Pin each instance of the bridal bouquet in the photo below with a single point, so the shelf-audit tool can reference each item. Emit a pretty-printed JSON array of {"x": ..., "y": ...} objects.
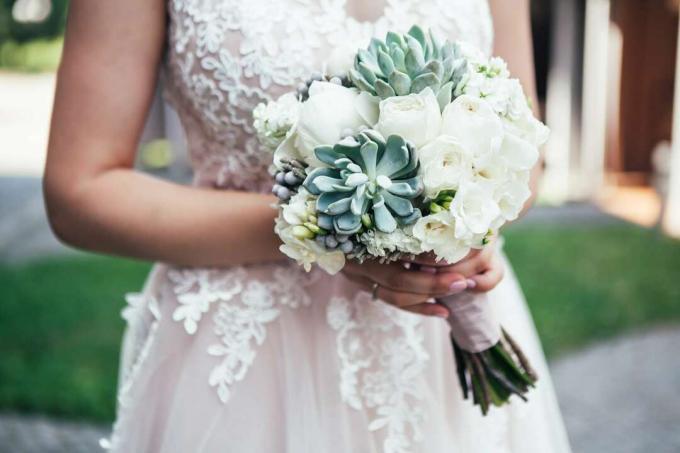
[{"x": 421, "y": 146}]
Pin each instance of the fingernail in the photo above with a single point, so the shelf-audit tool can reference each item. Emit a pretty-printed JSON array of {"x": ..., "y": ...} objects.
[
  {"x": 428, "y": 269},
  {"x": 471, "y": 283},
  {"x": 458, "y": 285},
  {"x": 441, "y": 314},
  {"x": 407, "y": 265}
]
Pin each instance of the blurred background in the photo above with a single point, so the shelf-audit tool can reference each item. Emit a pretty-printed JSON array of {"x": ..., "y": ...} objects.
[{"x": 598, "y": 257}]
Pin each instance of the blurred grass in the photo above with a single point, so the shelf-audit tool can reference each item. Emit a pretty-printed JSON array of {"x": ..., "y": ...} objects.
[
  {"x": 60, "y": 327},
  {"x": 38, "y": 55}
]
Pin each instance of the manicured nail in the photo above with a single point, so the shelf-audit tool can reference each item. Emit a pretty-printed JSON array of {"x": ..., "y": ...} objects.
[
  {"x": 471, "y": 283},
  {"x": 458, "y": 285},
  {"x": 441, "y": 314},
  {"x": 406, "y": 265},
  {"x": 428, "y": 269}
]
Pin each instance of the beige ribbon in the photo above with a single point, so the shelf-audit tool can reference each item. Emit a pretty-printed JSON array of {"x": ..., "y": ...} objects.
[{"x": 474, "y": 326}]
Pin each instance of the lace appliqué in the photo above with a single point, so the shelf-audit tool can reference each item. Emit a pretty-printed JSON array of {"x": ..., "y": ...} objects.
[
  {"x": 382, "y": 359},
  {"x": 246, "y": 306}
]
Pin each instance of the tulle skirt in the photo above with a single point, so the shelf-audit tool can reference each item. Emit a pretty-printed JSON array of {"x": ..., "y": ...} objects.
[{"x": 270, "y": 359}]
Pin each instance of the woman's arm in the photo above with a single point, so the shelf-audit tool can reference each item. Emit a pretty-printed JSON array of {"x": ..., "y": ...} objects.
[
  {"x": 95, "y": 200},
  {"x": 513, "y": 42}
]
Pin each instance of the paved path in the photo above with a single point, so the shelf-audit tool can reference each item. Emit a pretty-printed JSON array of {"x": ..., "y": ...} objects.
[{"x": 616, "y": 397}]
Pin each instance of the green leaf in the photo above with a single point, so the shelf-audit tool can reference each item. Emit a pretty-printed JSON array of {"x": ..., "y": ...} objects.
[
  {"x": 384, "y": 220},
  {"x": 400, "y": 206},
  {"x": 383, "y": 89},
  {"x": 385, "y": 62},
  {"x": 347, "y": 223},
  {"x": 395, "y": 158},
  {"x": 445, "y": 95}
]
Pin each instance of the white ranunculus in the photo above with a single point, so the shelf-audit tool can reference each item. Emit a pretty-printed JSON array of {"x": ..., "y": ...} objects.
[
  {"x": 528, "y": 128},
  {"x": 274, "y": 121},
  {"x": 474, "y": 124},
  {"x": 517, "y": 154},
  {"x": 511, "y": 197},
  {"x": 444, "y": 164},
  {"x": 436, "y": 233},
  {"x": 329, "y": 111},
  {"x": 415, "y": 117},
  {"x": 474, "y": 209}
]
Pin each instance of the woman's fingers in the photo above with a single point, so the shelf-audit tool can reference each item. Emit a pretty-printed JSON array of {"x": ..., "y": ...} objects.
[
  {"x": 414, "y": 303},
  {"x": 490, "y": 278},
  {"x": 429, "y": 309},
  {"x": 395, "y": 277}
]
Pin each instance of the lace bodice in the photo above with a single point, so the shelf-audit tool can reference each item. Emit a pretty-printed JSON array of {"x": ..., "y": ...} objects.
[{"x": 226, "y": 56}]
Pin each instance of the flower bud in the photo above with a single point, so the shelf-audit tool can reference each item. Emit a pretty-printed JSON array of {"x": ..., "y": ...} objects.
[{"x": 302, "y": 232}]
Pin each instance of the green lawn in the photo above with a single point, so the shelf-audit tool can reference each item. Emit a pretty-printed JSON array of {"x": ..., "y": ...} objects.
[
  {"x": 39, "y": 55},
  {"x": 60, "y": 326}
]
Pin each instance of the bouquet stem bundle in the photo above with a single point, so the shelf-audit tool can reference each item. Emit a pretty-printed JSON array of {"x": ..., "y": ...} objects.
[{"x": 495, "y": 374}]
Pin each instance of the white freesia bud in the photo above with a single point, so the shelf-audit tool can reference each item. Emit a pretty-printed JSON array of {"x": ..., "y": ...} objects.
[
  {"x": 298, "y": 242},
  {"x": 436, "y": 233},
  {"x": 474, "y": 124},
  {"x": 415, "y": 117},
  {"x": 444, "y": 164},
  {"x": 474, "y": 209},
  {"x": 330, "y": 110}
]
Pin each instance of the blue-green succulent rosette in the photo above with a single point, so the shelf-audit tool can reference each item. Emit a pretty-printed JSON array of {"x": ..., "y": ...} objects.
[{"x": 421, "y": 145}]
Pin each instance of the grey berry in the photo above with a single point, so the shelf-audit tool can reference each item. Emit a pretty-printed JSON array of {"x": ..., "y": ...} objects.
[
  {"x": 347, "y": 247},
  {"x": 280, "y": 177},
  {"x": 321, "y": 240},
  {"x": 290, "y": 178},
  {"x": 331, "y": 242},
  {"x": 283, "y": 193},
  {"x": 336, "y": 80},
  {"x": 342, "y": 238}
]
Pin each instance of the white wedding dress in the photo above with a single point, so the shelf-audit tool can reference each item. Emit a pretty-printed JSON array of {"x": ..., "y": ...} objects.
[{"x": 267, "y": 358}]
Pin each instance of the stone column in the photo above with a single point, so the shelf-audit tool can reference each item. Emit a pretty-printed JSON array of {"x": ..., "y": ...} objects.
[{"x": 595, "y": 89}]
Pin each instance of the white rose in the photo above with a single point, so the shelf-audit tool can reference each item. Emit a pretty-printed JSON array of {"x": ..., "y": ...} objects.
[
  {"x": 474, "y": 209},
  {"x": 444, "y": 164},
  {"x": 415, "y": 117},
  {"x": 436, "y": 233},
  {"x": 330, "y": 110},
  {"x": 474, "y": 123}
]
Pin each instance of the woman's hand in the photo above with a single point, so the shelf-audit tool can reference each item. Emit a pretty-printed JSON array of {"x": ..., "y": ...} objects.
[
  {"x": 410, "y": 289},
  {"x": 483, "y": 268}
]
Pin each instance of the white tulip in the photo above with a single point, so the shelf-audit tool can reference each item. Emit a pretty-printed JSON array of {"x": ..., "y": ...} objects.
[
  {"x": 474, "y": 124},
  {"x": 415, "y": 117},
  {"x": 329, "y": 111},
  {"x": 436, "y": 233},
  {"x": 444, "y": 164}
]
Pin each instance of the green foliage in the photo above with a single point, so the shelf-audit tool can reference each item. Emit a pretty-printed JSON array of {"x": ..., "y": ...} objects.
[
  {"x": 585, "y": 283},
  {"x": 34, "y": 56},
  {"x": 60, "y": 332}
]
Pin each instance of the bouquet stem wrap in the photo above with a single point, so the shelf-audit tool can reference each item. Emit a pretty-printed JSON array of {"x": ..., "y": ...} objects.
[
  {"x": 489, "y": 363},
  {"x": 473, "y": 323}
]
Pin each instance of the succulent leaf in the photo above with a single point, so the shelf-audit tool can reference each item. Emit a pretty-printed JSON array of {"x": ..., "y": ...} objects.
[
  {"x": 407, "y": 64},
  {"x": 374, "y": 180}
]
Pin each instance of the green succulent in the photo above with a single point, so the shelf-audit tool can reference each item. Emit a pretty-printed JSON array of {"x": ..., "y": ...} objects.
[
  {"x": 404, "y": 64},
  {"x": 369, "y": 182}
]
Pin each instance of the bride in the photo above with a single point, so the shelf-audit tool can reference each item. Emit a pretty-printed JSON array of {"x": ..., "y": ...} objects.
[{"x": 230, "y": 347}]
